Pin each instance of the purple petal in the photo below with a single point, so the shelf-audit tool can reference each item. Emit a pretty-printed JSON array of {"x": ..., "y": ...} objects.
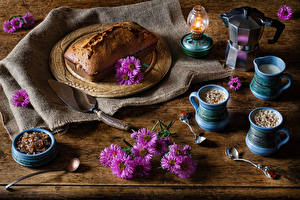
[
  {"x": 28, "y": 20},
  {"x": 8, "y": 27},
  {"x": 285, "y": 12},
  {"x": 20, "y": 98},
  {"x": 17, "y": 22}
]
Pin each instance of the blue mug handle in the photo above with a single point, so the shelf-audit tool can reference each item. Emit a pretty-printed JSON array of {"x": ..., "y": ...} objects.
[
  {"x": 285, "y": 140},
  {"x": 286, "y": 86},
  {"x": 192, "y": 97}
]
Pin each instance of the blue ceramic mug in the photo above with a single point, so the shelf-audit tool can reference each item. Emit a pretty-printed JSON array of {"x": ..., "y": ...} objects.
[
  {"x": 267, "y": 81},
  {"x": 210, "y": 117},
  {"x": 265, "y": 141}
]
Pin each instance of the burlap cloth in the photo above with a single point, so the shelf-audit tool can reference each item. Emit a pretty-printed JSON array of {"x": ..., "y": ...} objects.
[{"x": 27, "y": 65}]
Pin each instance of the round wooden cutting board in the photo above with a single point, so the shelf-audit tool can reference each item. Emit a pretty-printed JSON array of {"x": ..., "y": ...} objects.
[{"x": 159, "y": 61}]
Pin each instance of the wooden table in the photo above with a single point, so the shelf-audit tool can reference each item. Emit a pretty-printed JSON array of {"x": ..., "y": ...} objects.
[{"x": 216, "y": 176}]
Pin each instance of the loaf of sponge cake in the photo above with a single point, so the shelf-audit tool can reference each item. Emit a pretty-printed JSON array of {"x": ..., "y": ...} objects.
[{"x": 93, "y": 58}]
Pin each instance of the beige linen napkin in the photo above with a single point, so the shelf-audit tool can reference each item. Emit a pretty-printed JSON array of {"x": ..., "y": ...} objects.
[{"x": 27, "y": 65}]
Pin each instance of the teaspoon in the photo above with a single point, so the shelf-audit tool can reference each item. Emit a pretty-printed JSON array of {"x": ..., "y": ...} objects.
[
  {"x": 198, "y": 139},
  {"x": 233, "y": 154},
  {"x": 71, "y": 167}
]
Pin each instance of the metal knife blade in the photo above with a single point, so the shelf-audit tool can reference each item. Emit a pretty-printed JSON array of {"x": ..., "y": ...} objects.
[
  {"x": 73, "y": 97},
  {"x": 81, "y": 102}
]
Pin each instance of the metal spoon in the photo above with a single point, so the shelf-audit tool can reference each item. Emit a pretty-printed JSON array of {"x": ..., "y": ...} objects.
[
  {"x": 198, "y": 139},
  {"x": 71, "y": 167},
  {"x": 233, "y": 154}
]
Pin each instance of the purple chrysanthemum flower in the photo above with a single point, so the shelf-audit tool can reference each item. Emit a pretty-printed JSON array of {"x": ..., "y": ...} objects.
[
  {"x": 234, "y": 83},
  {"x": 129, "y": 71},
  {"x": 285, "y": 12},
  {"x": 180, "y": 151},
  {"x": 28, "y": 20},
  {"x": 167, "y": 140},
  {"x": 187, "y": 167},
  {"x": 170, "y": 162},
  {"x": 138, "y": 76},
  {"x": 109, "y": 153},
  {"x": 124, "y": 77},
  {"x": 176, "y": 149},
  {"x": 141, "y": 167},
  {"x": 146, "y": 137},
  {"x": 17, "y": 22},
  {"x": 8, "y": 27},
  {"x": 161, "y": 146},
  {"x": 118, "y": 64},
  {"x": 20, "y": 98},
  {"x": 140, "y": 150},
  {"x": 131, "y": 64},
  {"x": 122, "y": 166},
  {"x": 134, "y": 135},
  {"x": 186, "y": 149}
]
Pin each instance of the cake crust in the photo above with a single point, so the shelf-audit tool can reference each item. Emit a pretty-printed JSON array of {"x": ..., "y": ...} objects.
[{"x": 93, "y": 58}]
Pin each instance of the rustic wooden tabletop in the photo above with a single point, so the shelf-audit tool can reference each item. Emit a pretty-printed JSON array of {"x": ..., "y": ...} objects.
[{"x": 216, "y": 175}]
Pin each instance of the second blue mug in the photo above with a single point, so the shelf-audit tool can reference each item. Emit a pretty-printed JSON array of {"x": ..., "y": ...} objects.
[{"x": 265, "y": 141}]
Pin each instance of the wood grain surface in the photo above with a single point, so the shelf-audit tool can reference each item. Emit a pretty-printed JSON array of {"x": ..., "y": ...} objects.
[{"x": 216, "y": 177}]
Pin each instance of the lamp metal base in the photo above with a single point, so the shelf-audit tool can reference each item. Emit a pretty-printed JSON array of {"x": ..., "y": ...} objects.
[{"x": 196, "y": 48}]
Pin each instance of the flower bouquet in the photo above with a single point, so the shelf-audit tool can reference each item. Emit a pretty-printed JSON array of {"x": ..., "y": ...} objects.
[{"x": 137, "y": 159}]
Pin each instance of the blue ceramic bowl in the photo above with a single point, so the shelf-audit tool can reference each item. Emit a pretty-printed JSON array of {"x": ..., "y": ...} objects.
[{"x": 34, "y": 160}]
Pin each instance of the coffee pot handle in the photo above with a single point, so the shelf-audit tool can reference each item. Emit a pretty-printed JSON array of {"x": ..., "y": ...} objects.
[
  {"x": 268, "y": 22},
  {"x": 192, "y": 97},
  {"x": 286, "y": 139},
  {"x": 224, "y": 19},
  {"x": 288, "y": 84}
]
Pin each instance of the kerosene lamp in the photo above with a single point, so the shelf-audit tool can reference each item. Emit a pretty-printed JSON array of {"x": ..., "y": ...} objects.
[{"x": 197, "y": 44}]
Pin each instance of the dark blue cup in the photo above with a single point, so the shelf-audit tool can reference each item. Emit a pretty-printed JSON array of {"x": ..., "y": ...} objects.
[
  {"x": 265, "y": 141},
  {"x": 267, "y": 82},
  {"x": 34, "y": 160},
  {"x": 210, "y": 117}
]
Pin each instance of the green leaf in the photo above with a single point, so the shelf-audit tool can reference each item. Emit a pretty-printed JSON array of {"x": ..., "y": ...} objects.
[
  {"x": 15, "y": 17},
  {"x": 145, "y": 65}
]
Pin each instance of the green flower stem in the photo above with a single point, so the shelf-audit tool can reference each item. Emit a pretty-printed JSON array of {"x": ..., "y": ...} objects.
[
  {"x": 155, "y": 125},
  {"x": 133, "y": 130},
  {"x": 161, "y": 125},
  {"x": 170, "y": 124},
  {"x": 127, "y": 143},
  {"x": 164, "y": 129}
]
